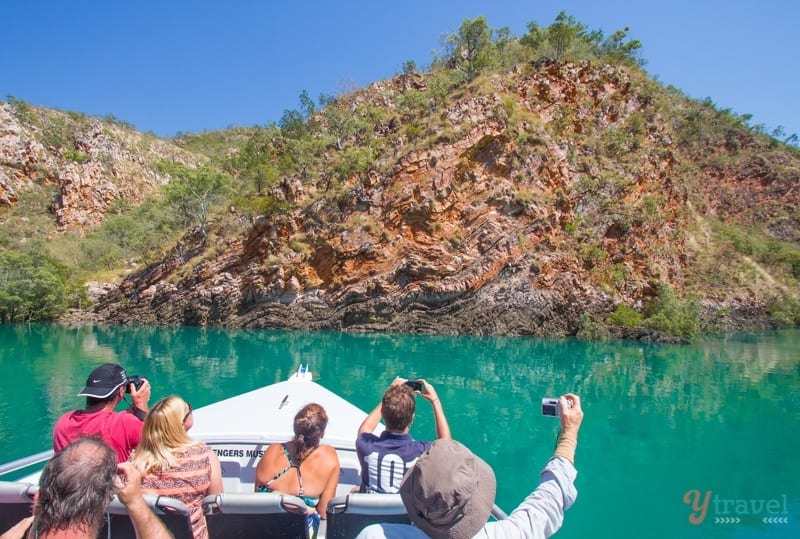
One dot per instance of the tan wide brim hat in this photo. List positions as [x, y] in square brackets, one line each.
[449, 492]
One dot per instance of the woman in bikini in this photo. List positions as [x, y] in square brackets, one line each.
[302, 467]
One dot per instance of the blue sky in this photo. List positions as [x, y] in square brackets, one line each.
[168, 66]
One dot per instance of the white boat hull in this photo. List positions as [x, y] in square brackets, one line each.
[240, 428]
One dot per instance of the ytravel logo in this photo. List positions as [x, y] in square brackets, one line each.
[735, 510]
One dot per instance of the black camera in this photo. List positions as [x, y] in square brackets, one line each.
[416, 385]
[134, 379]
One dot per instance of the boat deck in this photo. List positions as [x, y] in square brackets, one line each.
[240, 428]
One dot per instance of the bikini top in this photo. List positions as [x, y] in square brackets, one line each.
[309, 500]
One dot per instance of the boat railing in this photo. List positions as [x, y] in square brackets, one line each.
[348, 514]
[255, 514]
[173, 513]
[498, 513]
[25, 462]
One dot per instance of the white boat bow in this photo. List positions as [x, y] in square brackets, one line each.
[240, 428]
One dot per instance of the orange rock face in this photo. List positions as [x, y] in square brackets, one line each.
[557, 194]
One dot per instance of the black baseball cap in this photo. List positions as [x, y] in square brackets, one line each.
[103, 381]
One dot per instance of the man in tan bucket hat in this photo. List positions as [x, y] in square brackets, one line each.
[449, 493]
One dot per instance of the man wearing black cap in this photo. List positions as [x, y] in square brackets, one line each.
[449, 493]
[105, 388]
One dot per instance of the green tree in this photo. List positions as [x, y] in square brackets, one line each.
[672, 315]
[352, 161]
[564, 37]
[340, 123]
[297, 123]
[263, 176]
[626, 316]
[562, 33]
[158, 224]
[307, 105]
[292, 124]
[409, 67]
[98, 252]
[259, 149]
[31, 287]
[298, 155]
[616, 48]
[124, 231]
[436, 95]
[193, 191]
[471, 50]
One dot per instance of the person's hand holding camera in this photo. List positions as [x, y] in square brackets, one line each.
[140, 396]
[428, 392]
[571, 413]
[571, 418]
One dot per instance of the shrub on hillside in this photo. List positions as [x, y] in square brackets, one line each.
[672, 315]
[590, 329]
[260, 206]
[626, 317]
[31, 287]
[785, 310]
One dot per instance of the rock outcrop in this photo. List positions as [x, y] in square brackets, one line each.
[530, 203]
[87, 164]
[500, 228]
[23, 160]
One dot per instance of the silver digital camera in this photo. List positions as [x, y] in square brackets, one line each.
[550, 406]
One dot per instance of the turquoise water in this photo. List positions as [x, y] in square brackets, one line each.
[721, 416]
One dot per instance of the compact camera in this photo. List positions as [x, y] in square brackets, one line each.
[416, 385]
[551, 407]
[134, 379]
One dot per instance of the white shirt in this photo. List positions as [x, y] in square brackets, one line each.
[539, 515]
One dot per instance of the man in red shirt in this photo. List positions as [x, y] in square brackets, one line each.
[105, 388]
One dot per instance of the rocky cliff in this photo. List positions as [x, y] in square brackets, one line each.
[85, 164]
[544, 198]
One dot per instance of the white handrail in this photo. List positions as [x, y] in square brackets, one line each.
[24, 462]
[498, 513]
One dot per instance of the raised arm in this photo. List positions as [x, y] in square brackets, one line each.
[442, 427]
[145, 523]
[541, 514]
[571, 418]
[371, 421]
[374, 417]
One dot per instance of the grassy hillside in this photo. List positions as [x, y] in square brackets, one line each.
[666, 205]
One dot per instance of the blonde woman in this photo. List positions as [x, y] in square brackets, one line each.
[302, 466]
[174, 465]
